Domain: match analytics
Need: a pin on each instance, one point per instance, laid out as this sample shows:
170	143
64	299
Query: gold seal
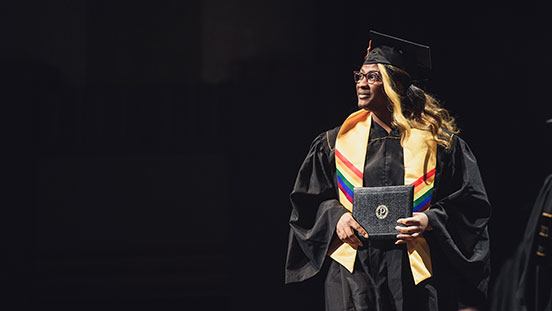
382	211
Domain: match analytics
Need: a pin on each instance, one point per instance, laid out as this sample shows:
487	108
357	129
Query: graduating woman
439	259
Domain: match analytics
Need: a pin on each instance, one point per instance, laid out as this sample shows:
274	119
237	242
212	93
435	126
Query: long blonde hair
428	115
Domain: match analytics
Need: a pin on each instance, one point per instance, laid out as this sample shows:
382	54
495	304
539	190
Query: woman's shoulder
456	142
456	151
325	141
453	140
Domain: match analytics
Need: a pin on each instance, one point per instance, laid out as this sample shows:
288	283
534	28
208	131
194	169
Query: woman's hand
345	229
415	227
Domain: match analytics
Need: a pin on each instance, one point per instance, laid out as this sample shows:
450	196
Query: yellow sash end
345	255
420	259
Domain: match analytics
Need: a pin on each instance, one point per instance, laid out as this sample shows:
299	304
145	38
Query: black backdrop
159	140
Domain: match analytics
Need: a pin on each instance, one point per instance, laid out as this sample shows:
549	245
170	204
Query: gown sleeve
314	215
459	215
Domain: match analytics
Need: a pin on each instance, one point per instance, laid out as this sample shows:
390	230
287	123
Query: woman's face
370	94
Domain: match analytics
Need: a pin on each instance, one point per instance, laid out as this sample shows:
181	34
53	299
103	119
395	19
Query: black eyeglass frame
371	76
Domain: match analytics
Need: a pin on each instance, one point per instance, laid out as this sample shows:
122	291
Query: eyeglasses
372	76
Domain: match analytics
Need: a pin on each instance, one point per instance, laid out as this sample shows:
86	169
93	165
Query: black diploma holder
377	209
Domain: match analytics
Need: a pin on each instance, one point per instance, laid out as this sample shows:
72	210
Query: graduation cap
411	57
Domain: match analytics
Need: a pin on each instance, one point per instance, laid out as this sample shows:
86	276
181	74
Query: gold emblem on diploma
382	211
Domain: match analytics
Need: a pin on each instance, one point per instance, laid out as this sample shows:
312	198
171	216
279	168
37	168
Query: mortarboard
411	57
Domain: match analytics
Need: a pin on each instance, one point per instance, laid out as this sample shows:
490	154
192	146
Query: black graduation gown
525	280
382	279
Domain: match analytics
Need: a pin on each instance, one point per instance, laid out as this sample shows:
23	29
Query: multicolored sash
419	169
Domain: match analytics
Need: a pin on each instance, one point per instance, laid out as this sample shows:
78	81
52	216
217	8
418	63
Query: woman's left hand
415	227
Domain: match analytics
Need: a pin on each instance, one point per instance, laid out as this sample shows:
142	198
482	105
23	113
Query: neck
384	120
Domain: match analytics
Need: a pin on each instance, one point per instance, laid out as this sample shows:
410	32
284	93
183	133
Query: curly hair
412	107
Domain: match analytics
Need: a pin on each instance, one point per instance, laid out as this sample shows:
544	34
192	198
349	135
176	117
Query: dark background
158	141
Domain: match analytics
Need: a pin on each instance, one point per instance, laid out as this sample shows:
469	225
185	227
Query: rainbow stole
419	163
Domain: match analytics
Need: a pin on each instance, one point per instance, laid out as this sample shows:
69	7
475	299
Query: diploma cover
377	209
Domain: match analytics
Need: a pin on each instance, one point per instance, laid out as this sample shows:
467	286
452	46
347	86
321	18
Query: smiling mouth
363	96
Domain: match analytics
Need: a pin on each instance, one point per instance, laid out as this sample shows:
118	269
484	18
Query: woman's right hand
345	229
